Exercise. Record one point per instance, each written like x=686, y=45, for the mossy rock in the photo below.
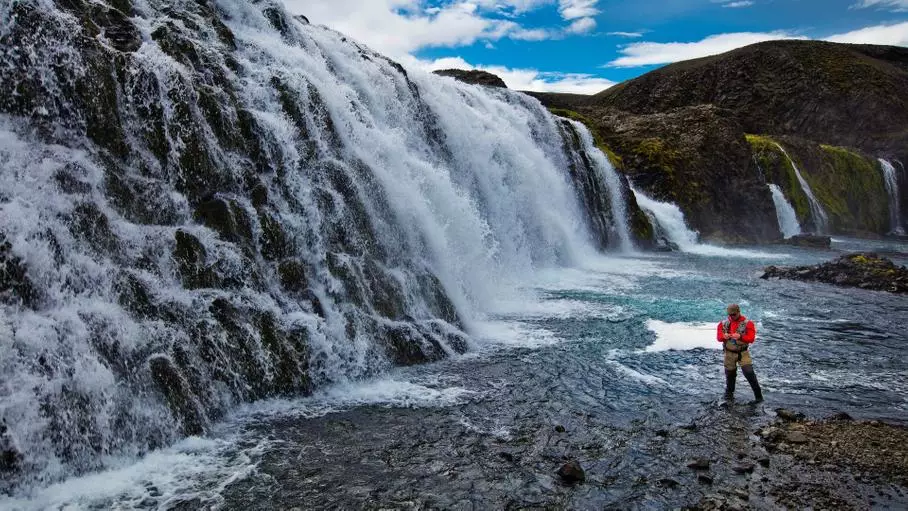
x=778, y=170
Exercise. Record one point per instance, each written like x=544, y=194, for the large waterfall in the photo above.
x=785, y=213
x=891, y=179
x=817, y=213
x=203, y=204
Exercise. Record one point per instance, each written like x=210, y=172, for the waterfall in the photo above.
x=600, y=187
x=788, y=219
x=207, y=204
x=817, y=213
x=890, y=177
x=668, y=219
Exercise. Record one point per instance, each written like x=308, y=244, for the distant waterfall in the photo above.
x=788, y=219
x=208, y=203
x=817, y=213
x=669, y=220
x=890, y=177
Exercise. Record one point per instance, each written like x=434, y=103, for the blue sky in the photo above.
x=587, y=45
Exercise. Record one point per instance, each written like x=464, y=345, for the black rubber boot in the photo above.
x=730, y=376
x=751, y=376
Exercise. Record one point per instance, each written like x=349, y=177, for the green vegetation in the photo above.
x=778, y=170
x=597, y=139
x=851, y=187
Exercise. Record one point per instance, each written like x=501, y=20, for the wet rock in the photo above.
x=559, y=428
x=705, y=479
x=571, y=472
x=15, y=286
x=763, y=460
x=118, y=30
x=667, y=482
x=10, y=458
x=743, y=468
x=699, y=464
x=841, y=416
x=789, y=415
x=796, y=437
x=227, y=218
x=177, y=393
x=190, y=256
x=474, y=76
x=808, y=240
x=662, y=433
x=863, y=270
x=292, y=274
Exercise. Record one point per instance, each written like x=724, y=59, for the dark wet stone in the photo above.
x=178, y=394
x=662, y=432
x=808, y=240
x=865, y=270
x=796, y=437
x=699, y=464
x=789, y=415
x=559, y=428
x=667, y=482
x=226, y=217
x=10, y=458
x=705, y=479
x=571, y=472
x=743, y=468
x=763, y=460
x=119, y=30
x=507, y=456
x=15, y=286
x=841, y=416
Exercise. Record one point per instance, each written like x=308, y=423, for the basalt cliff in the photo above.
x=711, y=134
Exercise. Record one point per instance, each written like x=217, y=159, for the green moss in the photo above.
x=597, y=139
x=850, y=186
x=778, y=169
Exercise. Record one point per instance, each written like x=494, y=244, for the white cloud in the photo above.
x=572, y=9
x=626, y=34
x=581, y=26
x=895, y=5
x=649, y=53
x=526, y=79
x=895, y=35
x=742, y=3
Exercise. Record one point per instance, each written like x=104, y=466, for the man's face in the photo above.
x=733, y=314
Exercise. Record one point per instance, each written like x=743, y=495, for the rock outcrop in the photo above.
x=863, y=270
x=474, y=76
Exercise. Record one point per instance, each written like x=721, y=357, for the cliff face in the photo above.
x=847, y=95
x=834, y=107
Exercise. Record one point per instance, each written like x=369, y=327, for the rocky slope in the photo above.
x=834, y=107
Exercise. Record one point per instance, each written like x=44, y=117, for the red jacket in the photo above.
x=750, y=331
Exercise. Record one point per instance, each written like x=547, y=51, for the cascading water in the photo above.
x=817, y=213
x=669, y=221
x=788, y=219
x=619, y=225
x=205, y=204
x=890, y=177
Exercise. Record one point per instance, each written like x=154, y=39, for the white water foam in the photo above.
x=785, y=213
x=682, y=336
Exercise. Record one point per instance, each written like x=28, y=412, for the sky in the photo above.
x=585, y=46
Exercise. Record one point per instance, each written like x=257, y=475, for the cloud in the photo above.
x=526, y=79
x=626, y=34
x=895, y=5
x=573, y=9
x=649, y=53
x=581, y=26
x=895, y=35
x=742, y=3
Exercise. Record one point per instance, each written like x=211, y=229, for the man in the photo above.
x=736, y=334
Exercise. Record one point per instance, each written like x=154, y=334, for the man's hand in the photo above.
x=726, y=336
x=736, y=336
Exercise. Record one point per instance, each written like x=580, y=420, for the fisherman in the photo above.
x=736, y=334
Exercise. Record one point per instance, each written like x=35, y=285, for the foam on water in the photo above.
x=682, y=336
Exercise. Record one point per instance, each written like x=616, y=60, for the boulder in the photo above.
x=808, y=240
x=473, y=76
x=866, y=270
x=571, y=472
